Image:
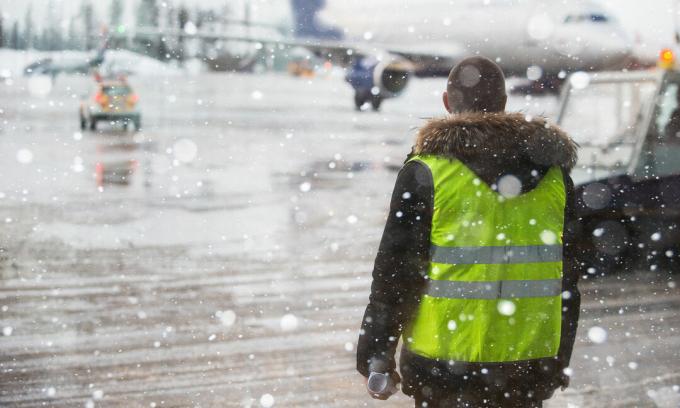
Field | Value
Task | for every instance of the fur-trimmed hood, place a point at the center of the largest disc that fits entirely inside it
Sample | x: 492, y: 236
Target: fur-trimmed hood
x: 499, y: 137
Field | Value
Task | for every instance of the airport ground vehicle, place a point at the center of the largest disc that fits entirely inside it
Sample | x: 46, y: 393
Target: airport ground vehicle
x: 111, y: 101
x: 628, y: 175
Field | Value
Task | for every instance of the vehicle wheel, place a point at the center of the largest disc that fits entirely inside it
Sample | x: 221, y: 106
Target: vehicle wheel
x: 138, y: 125
x: 93, y: 125
x: 83, y: 123
x: 376, y: 101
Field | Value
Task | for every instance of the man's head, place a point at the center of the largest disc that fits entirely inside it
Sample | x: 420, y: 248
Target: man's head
x: 476, y: 84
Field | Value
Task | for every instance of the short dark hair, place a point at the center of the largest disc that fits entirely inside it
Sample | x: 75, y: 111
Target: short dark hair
x: 476, y: 84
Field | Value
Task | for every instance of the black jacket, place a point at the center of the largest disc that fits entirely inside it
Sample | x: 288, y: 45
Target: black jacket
x: 491, y: 145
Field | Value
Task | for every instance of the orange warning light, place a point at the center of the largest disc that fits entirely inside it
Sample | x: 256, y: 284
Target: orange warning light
x: 666, y: 59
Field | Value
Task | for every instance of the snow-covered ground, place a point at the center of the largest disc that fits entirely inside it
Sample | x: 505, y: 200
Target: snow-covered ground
x: 222, y: 256
x: 13, y: 62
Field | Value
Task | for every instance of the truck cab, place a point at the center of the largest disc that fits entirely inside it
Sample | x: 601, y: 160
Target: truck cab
x: 628, y: 173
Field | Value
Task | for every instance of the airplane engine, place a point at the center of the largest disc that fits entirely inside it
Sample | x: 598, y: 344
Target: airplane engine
x: 375, y: 79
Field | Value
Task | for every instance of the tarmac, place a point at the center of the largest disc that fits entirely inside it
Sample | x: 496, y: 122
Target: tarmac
x: 222, y: 256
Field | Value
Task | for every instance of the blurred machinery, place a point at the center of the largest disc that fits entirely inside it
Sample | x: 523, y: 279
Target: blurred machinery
x: 628, y: 174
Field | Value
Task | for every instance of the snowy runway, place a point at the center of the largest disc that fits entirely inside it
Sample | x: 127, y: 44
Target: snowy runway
x: 232, y: 265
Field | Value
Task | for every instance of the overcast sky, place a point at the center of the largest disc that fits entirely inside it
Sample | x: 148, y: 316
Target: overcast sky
x: 652, y: 19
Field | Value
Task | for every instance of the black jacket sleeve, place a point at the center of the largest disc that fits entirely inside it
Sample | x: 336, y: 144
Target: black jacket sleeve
x: 400, y: 267
x: 571, y: 297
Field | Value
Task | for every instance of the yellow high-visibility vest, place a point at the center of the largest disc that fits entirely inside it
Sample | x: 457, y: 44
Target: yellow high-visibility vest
x: 494, y: 283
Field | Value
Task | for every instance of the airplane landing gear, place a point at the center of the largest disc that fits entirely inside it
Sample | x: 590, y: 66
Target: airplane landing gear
x: 358, y: 100
x: 363, y: 97
x: 376, y: 101
x: 544, y: 86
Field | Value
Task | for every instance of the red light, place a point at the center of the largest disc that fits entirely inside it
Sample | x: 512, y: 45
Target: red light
x: 99, y: 174
x: 132, y: 99
x: 101, y: 99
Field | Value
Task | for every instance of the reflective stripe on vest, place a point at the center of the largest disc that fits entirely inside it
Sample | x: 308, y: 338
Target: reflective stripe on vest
x: 494, y: 284
x: 496, y: 254
x: 494, y: 290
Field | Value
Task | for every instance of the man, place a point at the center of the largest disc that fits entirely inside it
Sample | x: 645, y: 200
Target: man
x: 476, y: 267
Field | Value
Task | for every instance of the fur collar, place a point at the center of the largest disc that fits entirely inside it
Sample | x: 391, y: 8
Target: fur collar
x: 504, y: 136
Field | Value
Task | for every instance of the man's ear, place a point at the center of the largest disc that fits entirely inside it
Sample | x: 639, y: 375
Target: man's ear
x: 445, y: 98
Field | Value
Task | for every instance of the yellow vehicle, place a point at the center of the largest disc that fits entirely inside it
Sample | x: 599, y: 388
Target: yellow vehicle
x: 113, y: 101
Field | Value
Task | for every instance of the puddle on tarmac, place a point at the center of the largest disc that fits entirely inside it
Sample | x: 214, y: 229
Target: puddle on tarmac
x: 115, y: 172
x: 336, y: 173
x: 120, y: 155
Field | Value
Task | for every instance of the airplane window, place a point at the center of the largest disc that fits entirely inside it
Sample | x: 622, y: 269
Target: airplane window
x: 580, y: 18
x: 598, y: 18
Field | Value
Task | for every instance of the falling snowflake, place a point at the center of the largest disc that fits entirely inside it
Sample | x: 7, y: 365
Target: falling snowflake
x: 227, y: 317
x: 597, y: 334
x: 579, y: 80
x: 305, y: 187
x: 506, y: 307
x: 548, y: 237
x: 509, y: 186
x: 289, y: 322
x: 185, y: 150
x: 24, y: 156
x: 267, y: 400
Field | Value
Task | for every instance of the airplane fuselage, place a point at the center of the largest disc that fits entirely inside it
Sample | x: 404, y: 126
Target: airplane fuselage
x: 516, y: 33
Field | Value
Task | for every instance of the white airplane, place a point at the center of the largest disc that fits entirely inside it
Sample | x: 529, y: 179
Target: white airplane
x: 67, y: 64
x: 553, y: 35
x: 539, y: 40
x: 385, y: 42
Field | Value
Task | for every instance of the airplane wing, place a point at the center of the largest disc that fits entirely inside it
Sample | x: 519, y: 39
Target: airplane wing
x: 340, y: 52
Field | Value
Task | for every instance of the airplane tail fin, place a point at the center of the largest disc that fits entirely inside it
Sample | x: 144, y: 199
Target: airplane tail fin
x: 307, y: 23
